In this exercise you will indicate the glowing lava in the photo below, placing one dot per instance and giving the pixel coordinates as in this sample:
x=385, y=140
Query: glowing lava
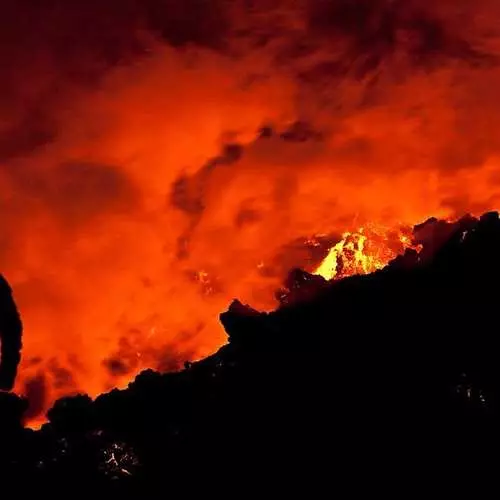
x=363, y=252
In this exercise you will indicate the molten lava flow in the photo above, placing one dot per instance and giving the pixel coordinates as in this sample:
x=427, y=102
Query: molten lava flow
x=363, y=252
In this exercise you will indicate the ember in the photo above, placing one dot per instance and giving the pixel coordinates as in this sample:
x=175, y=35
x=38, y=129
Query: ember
x=118, y=460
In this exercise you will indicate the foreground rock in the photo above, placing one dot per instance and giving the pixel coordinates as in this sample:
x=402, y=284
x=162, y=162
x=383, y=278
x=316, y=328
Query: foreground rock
x=10, y=337
x=371, y=379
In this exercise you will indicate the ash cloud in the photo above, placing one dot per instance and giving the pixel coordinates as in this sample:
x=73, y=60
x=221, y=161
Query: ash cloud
x=114, y=160
x=84, y=190
x=35, y=390
x=376, y=30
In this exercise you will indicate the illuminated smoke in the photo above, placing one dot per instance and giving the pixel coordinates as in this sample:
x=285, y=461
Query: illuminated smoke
x=154, y=166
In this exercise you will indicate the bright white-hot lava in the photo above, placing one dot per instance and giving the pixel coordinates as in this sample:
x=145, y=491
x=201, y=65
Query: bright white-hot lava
x=363, y=252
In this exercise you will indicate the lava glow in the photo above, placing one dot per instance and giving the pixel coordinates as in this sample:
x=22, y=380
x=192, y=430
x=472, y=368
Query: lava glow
x=160, y=158
x=362, y=252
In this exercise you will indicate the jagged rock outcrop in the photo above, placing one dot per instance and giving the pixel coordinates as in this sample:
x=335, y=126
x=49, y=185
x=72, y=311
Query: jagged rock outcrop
x=10, y=336
x=383, y=377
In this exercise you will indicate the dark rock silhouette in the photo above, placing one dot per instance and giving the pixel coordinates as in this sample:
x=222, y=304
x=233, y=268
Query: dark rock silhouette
x=388, y=379
x=10, y=337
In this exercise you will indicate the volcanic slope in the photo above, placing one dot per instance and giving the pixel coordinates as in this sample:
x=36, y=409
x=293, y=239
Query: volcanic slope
x=380, y=376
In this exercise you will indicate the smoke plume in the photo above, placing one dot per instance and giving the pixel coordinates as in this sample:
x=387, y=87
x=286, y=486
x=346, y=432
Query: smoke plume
x=159, y=158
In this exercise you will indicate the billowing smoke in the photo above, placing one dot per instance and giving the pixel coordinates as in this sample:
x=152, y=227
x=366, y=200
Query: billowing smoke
x=160, y=157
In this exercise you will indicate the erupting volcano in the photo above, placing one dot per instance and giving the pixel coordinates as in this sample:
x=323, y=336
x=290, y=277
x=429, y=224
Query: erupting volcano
x=162, y=157
x=363, y=252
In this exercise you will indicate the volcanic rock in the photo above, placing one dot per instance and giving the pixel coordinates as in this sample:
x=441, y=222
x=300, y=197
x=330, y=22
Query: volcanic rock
x=384, y=378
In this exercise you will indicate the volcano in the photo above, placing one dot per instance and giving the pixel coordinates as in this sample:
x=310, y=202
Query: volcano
x=401, y=360
x=189, y=152
x=161, y=158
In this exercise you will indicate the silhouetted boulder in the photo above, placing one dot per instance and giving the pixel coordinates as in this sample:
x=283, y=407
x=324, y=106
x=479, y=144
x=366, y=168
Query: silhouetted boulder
x=72, y=414
x=10, y=336
x=239, y=320
x=12, y=408
x=300, y=286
